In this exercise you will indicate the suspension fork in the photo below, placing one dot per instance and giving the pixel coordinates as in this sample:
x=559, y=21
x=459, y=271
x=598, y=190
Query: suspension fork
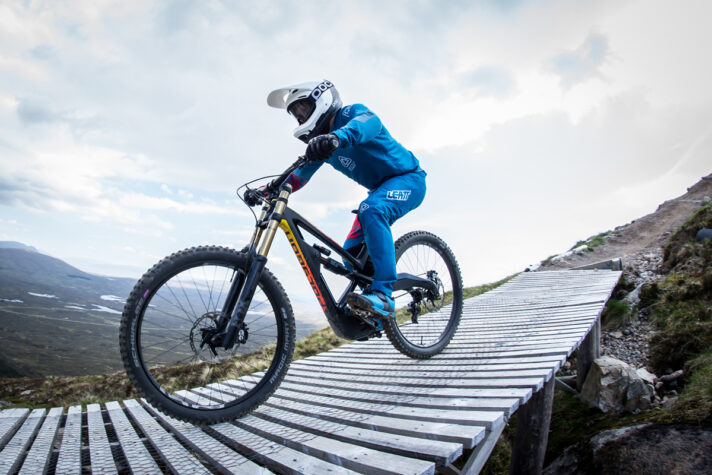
x=245, y=286
x=239, y=278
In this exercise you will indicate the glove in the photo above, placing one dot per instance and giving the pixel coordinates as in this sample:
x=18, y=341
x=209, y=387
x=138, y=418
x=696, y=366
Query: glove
x=253, y=196
x=321, y=147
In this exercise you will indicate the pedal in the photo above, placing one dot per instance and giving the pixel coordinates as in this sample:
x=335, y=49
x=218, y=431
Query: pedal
x=373, y=322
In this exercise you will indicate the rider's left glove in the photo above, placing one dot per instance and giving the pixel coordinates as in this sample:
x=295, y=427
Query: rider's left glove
x=321, y=147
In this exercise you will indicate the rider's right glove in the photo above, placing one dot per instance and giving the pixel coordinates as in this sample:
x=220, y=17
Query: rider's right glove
x=321, y=147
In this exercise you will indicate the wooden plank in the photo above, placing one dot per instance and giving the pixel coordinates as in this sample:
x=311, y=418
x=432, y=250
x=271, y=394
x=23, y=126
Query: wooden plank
x=10, y=420
x=475, y=349
x=11, y=454
x=454, y=372
x=475, y=353
x=504, y=383
x=219, y=455
x=434, y=368
x=276, y=456
x=102, y=461
x=500, y=336
x=137, y=456
x=37, y=458
x=440, y=359
x=354, y=457
x=172, y=452
x=70, y=461
x=527, y=313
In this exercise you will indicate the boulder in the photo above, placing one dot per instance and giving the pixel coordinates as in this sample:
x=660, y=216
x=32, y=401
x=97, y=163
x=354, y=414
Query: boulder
x=613, y=385
x=647, y=376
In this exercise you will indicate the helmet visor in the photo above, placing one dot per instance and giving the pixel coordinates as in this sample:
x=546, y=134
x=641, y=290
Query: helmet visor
x=301, y=109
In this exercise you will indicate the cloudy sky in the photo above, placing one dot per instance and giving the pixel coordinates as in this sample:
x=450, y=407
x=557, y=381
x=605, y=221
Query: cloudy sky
x=125, y=126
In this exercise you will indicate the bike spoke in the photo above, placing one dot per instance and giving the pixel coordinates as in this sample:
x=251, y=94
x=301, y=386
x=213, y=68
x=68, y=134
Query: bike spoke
x=193, y=368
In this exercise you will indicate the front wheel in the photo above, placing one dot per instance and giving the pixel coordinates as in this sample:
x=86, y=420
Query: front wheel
x=425, y=321
x=173, y=306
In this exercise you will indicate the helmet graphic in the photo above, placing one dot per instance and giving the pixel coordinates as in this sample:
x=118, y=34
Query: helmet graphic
x=313, y=104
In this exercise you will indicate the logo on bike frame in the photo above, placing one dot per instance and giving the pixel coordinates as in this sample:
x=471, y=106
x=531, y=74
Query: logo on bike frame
x=398, y=195
x=303, y=262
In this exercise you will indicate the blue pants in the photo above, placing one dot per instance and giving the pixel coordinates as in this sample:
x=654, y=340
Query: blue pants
x=391, y=200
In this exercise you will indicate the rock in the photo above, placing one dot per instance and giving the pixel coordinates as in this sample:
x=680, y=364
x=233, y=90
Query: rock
x=633, y=297
x=4, y=404
x=617, y=334
x=646, y=376
x=668, y=402
x=26, y=392
x=614, y=386
x=601, y=439
x=567, y=462
x=649, y=448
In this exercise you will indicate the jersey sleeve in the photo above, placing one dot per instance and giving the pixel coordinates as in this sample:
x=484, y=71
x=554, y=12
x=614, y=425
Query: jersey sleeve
x=300, y=177
x=361, y=128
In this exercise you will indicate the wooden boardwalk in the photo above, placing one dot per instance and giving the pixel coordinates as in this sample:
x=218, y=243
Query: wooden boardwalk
x=361, y=408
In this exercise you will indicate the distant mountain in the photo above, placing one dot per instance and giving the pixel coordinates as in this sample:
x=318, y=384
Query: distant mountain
x=58, y=320
x=55, y=318
x=16, y=245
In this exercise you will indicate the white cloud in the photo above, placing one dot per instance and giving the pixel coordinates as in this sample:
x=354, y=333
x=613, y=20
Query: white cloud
x=583, y=63
x=136, y=120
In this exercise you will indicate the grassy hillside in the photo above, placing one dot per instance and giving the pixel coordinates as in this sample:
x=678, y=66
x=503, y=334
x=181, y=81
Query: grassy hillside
x=58, y=320
x=65, y=391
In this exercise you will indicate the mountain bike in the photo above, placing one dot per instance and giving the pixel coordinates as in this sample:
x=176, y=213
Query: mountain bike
x=208, y=333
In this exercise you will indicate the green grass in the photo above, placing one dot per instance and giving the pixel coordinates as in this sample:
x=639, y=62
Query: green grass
x=616, y=314
x=593, y=241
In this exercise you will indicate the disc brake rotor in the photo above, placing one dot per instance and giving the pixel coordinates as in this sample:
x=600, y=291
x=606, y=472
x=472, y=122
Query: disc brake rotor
x=203, y=352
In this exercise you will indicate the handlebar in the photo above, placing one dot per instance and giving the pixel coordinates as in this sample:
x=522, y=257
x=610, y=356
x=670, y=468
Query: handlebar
x=253, y=196
x=273, y=186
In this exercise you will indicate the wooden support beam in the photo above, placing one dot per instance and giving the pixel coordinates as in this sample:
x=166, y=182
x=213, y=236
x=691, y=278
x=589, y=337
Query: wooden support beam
x=589, y=350
x=533, y=432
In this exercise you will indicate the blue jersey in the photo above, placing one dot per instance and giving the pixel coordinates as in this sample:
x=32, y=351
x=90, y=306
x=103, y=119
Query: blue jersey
x=367, y=153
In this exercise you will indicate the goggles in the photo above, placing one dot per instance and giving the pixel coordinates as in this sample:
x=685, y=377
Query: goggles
x=302, y=109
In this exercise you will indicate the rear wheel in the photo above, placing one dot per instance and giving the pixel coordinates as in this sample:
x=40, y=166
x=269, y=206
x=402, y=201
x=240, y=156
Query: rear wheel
x=438, y=314
x=169, y=311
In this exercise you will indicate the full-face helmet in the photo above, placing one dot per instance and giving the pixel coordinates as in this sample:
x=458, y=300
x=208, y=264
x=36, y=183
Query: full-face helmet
x=313, y=104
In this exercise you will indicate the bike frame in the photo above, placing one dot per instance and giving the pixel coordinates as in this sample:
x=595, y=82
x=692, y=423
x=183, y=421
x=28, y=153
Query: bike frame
x=275, y=214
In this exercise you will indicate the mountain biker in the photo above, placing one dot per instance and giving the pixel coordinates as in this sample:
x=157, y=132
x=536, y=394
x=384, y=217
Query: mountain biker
x=353, y=140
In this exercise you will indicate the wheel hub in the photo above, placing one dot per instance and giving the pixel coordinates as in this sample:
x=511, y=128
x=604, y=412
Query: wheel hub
x=201, y=335
x=435, y=301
